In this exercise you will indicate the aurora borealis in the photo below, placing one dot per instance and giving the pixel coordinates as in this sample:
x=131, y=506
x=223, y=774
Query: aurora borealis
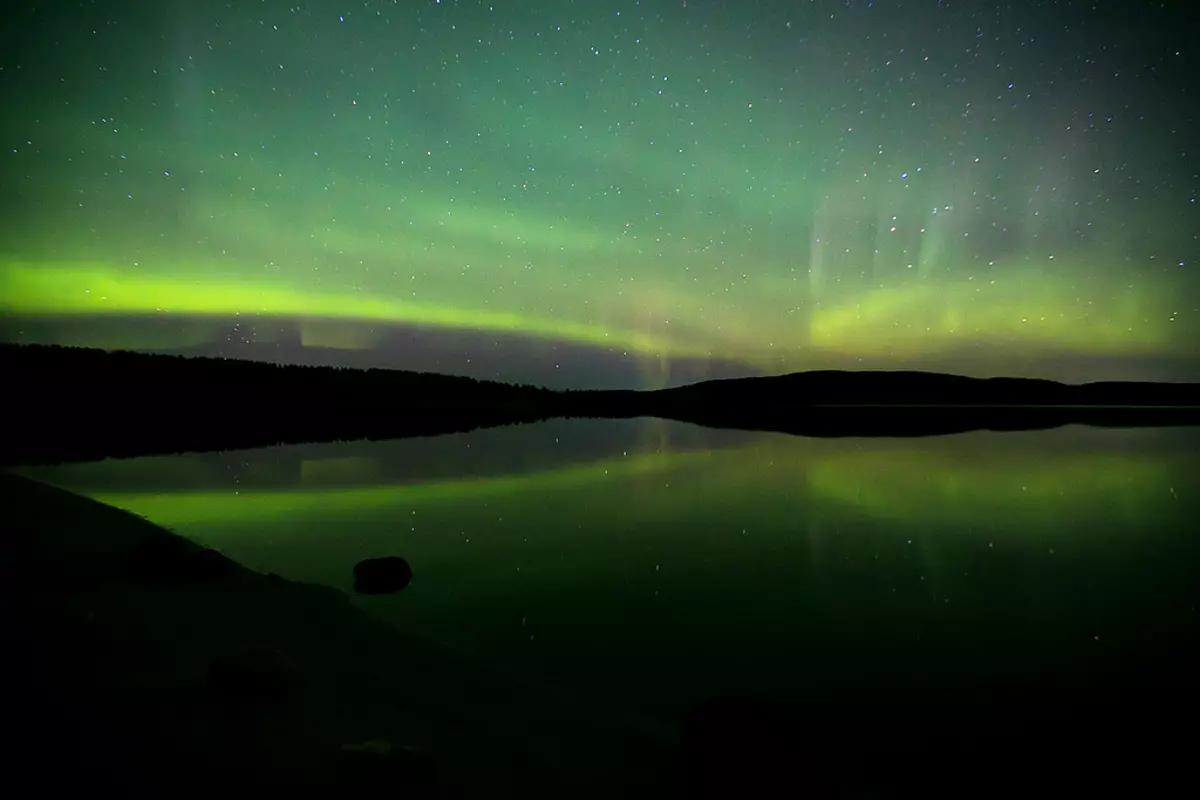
x=608, y=193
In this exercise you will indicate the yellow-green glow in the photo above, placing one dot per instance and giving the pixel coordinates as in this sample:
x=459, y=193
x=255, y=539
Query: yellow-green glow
x=936, y=482
x=924, y=316
x=100, y=290
x=908, y=320
x=176, y=509
x=941, y=488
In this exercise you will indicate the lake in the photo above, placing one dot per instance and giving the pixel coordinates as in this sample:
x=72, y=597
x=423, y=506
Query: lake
x=648, y=565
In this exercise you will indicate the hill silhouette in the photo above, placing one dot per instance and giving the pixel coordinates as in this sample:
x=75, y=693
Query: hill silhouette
x=77, y=404
x=908, y=403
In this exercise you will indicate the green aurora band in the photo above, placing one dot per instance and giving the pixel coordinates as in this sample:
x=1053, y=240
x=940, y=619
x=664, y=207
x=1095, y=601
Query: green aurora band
x=97, y=291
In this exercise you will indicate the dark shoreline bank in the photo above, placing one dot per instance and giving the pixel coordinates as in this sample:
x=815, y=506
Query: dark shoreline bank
x=122, y=621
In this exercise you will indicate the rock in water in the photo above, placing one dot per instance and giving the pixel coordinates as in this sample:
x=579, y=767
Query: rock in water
x=381, y=575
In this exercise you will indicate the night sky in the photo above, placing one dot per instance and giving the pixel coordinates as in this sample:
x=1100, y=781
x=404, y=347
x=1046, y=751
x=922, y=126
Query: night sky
x=608, y=194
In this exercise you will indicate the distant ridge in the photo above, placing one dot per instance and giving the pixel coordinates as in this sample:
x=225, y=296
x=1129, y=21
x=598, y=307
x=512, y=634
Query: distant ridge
x=892, y=388
x=67, y=403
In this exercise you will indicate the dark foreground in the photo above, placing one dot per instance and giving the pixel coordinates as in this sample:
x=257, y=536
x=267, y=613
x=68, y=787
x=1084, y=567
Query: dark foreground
x=147, y=664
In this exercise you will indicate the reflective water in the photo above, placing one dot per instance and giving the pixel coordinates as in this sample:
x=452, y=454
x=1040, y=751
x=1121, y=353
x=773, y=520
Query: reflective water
x=650, y=564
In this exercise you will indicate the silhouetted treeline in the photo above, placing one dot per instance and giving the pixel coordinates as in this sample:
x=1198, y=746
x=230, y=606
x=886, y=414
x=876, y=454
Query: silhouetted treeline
x=75, y=404
x=72, y=404
x=53, y=365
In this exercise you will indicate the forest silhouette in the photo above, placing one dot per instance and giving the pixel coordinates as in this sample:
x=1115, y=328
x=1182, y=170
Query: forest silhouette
x=79, y=404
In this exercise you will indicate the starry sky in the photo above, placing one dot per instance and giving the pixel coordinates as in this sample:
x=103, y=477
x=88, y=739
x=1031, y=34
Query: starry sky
x=608, y=194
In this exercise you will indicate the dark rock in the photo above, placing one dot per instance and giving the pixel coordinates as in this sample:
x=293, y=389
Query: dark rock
x=254, y=672
x=381, y=575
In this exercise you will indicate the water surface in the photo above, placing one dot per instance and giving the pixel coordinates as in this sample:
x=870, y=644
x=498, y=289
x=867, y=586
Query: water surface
x=649, y=565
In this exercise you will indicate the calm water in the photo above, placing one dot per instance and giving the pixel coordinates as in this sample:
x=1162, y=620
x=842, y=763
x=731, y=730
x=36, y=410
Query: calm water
x=651, y=564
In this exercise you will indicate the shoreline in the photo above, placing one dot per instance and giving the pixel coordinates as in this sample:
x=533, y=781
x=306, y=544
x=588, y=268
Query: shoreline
x=125, y=620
